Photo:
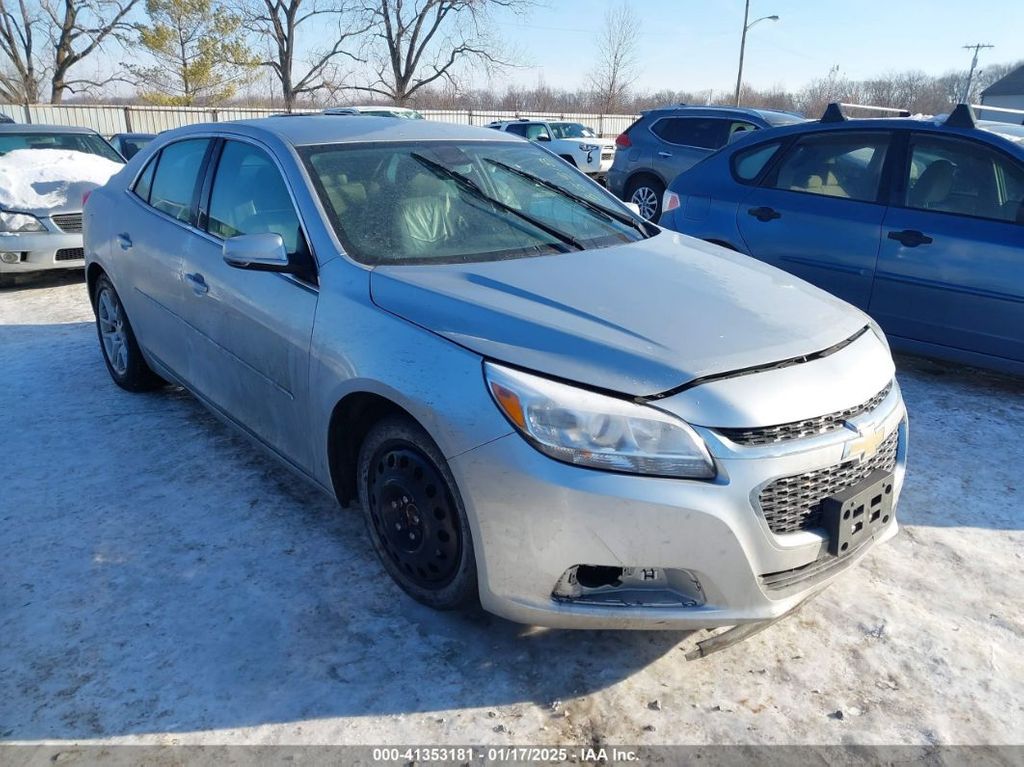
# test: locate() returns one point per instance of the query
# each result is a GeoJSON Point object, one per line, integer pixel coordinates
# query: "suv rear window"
{"type": "Point", "coordinates": [701, 132]}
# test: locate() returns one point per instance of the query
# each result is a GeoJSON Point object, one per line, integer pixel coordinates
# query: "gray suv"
{"type": "Point", "coordinates": [666, 141]}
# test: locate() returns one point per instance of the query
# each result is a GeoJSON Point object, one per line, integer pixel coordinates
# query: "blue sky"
{"type": "Point", "coordinates": [694, 45]}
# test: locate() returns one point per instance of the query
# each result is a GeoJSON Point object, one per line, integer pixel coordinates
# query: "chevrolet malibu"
{"type": "Point", "coordinates": [537, 399]}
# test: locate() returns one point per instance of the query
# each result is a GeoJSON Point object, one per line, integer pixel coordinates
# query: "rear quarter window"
{"type": "Point", "coordinates": [748, 164]}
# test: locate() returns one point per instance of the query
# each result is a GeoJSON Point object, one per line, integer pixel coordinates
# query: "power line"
{"type": "Point", "coordinates": [974, 65]}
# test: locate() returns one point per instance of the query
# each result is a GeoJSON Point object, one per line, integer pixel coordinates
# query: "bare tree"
{"type": "Point", "coordinates": [77, 29]}
{"type": "Point", "coordinates": [617, 67]}
{"type": "Point", "coordinates": [419, 42]}
{"type": "Point", "coordinates": [278, 21]}
{"type": "Point", "coordinates": [19, 75]}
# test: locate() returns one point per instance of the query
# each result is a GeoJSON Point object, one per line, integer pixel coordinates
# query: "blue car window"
{"type": "Point", "coordinates": [748, 164]}
{"type": "Point", "coordinates": [834, 164]}
{"type": "Point", "coordinates": [963, 177]}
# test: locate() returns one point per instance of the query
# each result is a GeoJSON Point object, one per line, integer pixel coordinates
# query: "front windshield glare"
{"type": "Point", "coordinates": [438, 202]}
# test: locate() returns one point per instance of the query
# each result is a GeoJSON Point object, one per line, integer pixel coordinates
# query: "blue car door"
{"type": "Point", "coordinates": [951, 266]}
{"type": "Point", "coordinates": [818, 213]}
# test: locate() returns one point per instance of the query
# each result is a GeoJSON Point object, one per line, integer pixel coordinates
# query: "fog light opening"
{"type": "Point", "coordinates": [596, 576]}
{"type": "Point", "coordinates": [609, 586]}
{"type": "Point", "coordinates": [9, 257]}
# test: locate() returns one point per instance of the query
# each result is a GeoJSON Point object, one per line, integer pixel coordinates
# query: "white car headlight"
{"type": "Point", "coordinates": [20, 222]}
{"type": "Point", "coordinates": [588, 429]}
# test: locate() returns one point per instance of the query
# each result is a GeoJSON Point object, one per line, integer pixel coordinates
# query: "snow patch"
{"type": "Point", "coordinates": [37, 179]}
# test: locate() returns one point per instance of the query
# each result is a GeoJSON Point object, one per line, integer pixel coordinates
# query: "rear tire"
{"type": "Point", "coordinates": [414, 515]}
{"type": "Point", "coordinates": [121, 352]}
{"type": "Point", "coordinates": [646, 192]}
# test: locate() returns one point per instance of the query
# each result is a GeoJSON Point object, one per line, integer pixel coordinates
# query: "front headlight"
{"type": "Point", "coordinates": [20, 222]}
{"type": "Point", "coordinates": [588, 429]}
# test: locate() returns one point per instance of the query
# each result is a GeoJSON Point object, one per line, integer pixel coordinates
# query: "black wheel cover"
{"type": "Point", "coordinates": [414, 516]}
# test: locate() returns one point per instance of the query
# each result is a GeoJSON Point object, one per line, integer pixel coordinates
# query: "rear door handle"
{"type": "Point", "coordinates": [124, 241]}
{"type": "Point", "coordinates": [199, 286]}
{"type": "Point", "coordinates": [764, 214]}
{"type": "Point", "coordinates": [911, 238]}
{"type": "Point", "coordinates": [664, 154]}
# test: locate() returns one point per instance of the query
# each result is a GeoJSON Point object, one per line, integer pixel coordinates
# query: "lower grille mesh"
{"type": "Point", "coordinates": [794, 503]}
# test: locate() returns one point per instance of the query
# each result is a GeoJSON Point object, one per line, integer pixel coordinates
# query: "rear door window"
{"type": "Point", "coordinates": [836, 164]}
{"type": "Point", "coordinates": [175, 184]}
{"type": "Point", "coordinates": [700, 132]}
{"type": "Point", "coordinates": [963, 177]}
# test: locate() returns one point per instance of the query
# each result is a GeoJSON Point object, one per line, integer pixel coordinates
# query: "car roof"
{"type": "Point", "coordinates": [1004, 134]}
{"type": "Point", "coordinates": [772, 116]}
{"type": "Point", "coordinates": [134, 134]}
{"type": "Point", "coordinates": [334, 129]}
{"type": "Point", "coordinates": [33, 128]}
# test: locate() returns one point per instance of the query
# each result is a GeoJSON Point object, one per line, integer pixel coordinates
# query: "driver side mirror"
{"type": "Point", "coordinates": [633, 207]}
{"type": "Point", "coordinates": [263, 252]}
{"type": "Point", "coordinates": [543, 137]}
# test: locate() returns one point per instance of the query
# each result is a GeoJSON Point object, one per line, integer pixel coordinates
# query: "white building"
{"type": "Point", "coordinates": [1007, 92]}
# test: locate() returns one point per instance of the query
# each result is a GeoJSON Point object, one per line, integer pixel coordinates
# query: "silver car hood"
{"type": "Point", "coordinates": [639, 319]}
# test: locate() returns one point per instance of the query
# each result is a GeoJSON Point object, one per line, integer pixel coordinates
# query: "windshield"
{"type": "Point", "coordinates": [446, 202]}
{"type": "Point", "coordinates": [89, 143]}
{"type": "Point", "coordinates": [571, 130]}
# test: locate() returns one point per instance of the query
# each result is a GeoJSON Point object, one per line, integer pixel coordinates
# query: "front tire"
{"type": "Point", "coordinates": [121, 352]}
{"type": "Point", "coordinates": [646, 193]}
{"type": "Point", "coordinates": [414, 515]}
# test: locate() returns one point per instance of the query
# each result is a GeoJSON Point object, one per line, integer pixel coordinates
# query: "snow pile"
{"type": "Point", "coordinates": [37, 179]}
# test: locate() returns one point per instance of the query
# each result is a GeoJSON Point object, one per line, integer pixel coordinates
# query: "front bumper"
{"type": "Point", "coordinates": [41, 250]}
{"type": "Point", "coordinates": [533, 519]}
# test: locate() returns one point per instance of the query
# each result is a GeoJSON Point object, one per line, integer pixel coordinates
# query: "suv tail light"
{"type": "Point", "coordinates": [669, 202]}
{"type": "Point", "coordinates": [85, 197]}
{"type": "Point", "coordinates": [623, 142]}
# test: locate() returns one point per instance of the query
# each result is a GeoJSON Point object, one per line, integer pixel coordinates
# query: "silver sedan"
{"type": "Point", "coordinates": [537, 399]}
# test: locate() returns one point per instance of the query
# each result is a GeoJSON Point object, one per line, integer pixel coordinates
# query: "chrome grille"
{"type": "Point", "coordinates": [810, 427]}
{"type": "Point", "coordinates": [68, 222]}
{"type": "Point", "coordinates": [69, 254]}
{"type": "Point", "coordinates": [794, 503]}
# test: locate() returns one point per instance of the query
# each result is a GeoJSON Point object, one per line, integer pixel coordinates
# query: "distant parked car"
{"type": "Point", "coordinates": [376, 111]}
{"type": "Point", "coordinates": [918, 222]}
{"type": "Point", "coordinates": [574, 142]}
{"type": "Point", "coordinates": [128, 144]}
{"type": "Point", "coordinates": [664, 142]}
{"type": "Point", "coordinates": [44, 172]}
{"type": "Point", "coordinates": [6, 118]}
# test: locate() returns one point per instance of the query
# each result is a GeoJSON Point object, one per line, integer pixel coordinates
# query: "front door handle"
{"type": "Point", "coordinates": [764, 213]}
{"type": "Point", "coordinates": [125, 241]}
{"type": "Point", "coordinates": [198, 282]}
{"type": "Point", "coordinates": [911, 238]}
{"type": "Point", "coordinates": [664, 154]}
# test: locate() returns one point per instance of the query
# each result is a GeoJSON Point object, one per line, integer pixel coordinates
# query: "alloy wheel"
{"type": "Point", "coordinates": [112, 331]}
{"type": "Point", "coordinates": [646, 199]}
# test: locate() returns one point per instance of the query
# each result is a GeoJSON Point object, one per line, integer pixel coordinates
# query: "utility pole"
{"type": "Point", "coordinates": [743, 45]}
{"type": "Point", "coordinates": [974, 65]}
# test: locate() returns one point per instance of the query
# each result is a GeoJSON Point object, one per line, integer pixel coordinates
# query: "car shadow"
{"type": "Point", "coordinates": [165, 576]}
{"type": "Point", "coordinates": [37, 280]}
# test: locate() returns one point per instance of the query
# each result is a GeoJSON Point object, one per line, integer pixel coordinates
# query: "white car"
{"type": "Point", "coordinates": [376, 111]}
{"type": "Point", "coordinates": [573, 142]}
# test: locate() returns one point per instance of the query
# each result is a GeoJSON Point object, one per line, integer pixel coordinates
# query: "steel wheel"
{"type": "Point", "coordinates": [414, 516]}
{"type": "Point", "coordinates": [112, 330]}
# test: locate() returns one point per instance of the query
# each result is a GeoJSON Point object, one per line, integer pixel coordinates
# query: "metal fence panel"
{"type": "Point", "coordinates": [111, 119]}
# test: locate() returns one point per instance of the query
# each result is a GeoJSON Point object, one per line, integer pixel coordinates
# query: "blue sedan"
{"type": "Point", "coordinates": [918, 222]}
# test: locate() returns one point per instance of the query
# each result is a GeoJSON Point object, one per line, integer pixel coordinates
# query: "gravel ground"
{"type": "Point", "coordinates": [163, 582]}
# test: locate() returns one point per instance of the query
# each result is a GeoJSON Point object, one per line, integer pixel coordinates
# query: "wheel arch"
{"type": "Point", "coordinates": [92, 274]}
{"type": "Point", "coordinates": [351, 419]}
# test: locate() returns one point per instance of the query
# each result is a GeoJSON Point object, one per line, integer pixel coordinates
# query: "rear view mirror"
{"type": "Point", "coordinates": [262, 252]}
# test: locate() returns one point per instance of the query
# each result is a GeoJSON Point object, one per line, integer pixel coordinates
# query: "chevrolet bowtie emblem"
{"type": "Point", "coordinates": [866, 444]}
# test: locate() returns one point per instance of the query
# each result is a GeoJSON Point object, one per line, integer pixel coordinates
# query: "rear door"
{"type": "Point", "coordinates": [818, 212]}
{"type": "Point", "coordinates": [685, 141]}
{"type": "Point", "coordinates": [951, 266]}
{"type": "Point", "coordinates": [252, 329]}
{"type": "Point", "coordinates": [156, 231]}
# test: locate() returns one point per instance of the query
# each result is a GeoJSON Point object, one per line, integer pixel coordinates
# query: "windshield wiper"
{"type": "Point", "coordinates": [473, 188]}
{"type": "Point", "coordinates": [622, 218]}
